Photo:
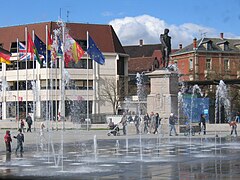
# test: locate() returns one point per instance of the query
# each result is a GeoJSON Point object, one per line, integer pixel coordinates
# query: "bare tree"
{"type": "Point", "coordinates": [108, 92]}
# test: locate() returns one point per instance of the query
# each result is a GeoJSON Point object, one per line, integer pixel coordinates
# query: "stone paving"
{"type": "Point", "coordinates": [94, 155]}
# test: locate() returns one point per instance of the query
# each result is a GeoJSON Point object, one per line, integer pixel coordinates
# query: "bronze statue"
{"type": "Point", "coordinates": [166, 47]}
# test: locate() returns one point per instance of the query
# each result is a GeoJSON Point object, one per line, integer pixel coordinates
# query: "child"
{"type": "Point", "coordinates": [8, 140]}
{"type": "Point", "coordinates": [20, 140]}
{"type": "Point", "coordinates": [233, 125]}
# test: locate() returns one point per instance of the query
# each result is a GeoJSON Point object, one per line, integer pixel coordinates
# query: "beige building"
{"type": "Point", "coordinates": [43, 93]}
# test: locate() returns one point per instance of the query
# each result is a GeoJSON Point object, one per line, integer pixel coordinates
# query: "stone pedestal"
{"type": "Point", "coordinates": [163, 97]}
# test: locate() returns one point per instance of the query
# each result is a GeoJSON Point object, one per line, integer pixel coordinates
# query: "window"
{"type": "Point", "coordinates": [82, 84]}
{"type": "Point", "coordinates": [82, 64]}
{"type": "Point", "coordinates": [190, 64]}
{"type": "Point", "coordinates": [208, 64]}
{"type": "Point", "coordinates": [226, 47]}
{"type": "Point", "coordinates": [209, 45]}
{"type": "Point", "coordinates": [226, 64]}
{"type": "Point", "coordinates": [13, 47]}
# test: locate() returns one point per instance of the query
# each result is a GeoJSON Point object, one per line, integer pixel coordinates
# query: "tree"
{"type": "Point", "coordinates": [108, 92]}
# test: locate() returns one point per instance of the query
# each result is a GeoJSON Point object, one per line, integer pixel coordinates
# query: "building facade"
{"type": "Point", "coordinates": [207, 61]}
{"type": "Point", "coordinates": [30, 87]}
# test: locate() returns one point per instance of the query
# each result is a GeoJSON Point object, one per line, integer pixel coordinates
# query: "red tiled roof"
{"type": "Point", "coordinates": [140, 64]}
{"type": "Point", "coordinates": [145, 50]}
{"type": "Point", "coordinates": [103, 35]}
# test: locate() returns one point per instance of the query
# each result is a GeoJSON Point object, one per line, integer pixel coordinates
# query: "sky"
{"type": "Point", "coordinates": [133, 20]}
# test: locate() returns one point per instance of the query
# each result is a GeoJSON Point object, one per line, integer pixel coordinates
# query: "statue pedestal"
{"type": "Point", "coordinates": [163, 97]}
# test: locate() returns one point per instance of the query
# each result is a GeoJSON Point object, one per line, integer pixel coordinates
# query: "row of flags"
{"type": "Point", "coordinates": [36, 50]}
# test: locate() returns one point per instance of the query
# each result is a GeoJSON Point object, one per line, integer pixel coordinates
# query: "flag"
{"type": "Point", "coordinates": [94, 52]}
{"type": "Point", "coordinates": [50, 50]}
{"type": "Point", "coordinates": [41, 48]}
{"type": "Point", "coordinates": [5, 58]}
{"type": "Point", "coordinates": [23, 55]}
{"type": "Point", "coordinates": [73, 50]}
{"type": "Point", "coordinates": [50, 41]}
{"type": "Point", "coordinates": [59, 49]}
{"type": "Point", "coordinates": [32, 49]}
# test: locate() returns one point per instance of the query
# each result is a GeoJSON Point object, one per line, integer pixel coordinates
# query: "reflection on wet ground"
{"type": "Point", "coordinates": [122, 159]}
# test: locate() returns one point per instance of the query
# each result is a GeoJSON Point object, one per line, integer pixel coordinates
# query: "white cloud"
{"type": "Point", "coordinates": [131, 29]}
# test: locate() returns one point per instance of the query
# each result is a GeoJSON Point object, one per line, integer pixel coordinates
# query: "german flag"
{"type": "Point", "coordinates": [5, 56]}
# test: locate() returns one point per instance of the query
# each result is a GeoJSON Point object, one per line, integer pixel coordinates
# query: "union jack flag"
{"type": "Point", "coordinates": [23, 54]}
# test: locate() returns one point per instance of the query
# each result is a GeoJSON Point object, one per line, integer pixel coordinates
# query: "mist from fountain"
{"type": "Point", "coordinates": [221, 100]}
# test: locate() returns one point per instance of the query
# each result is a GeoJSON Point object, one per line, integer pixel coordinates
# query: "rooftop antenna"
{"type": "Point", "coordinates": [203, 35]}
{"type": "Point", "coordinates": [68, 16]}
{"type": "Point", "coordinates": [60, 13]}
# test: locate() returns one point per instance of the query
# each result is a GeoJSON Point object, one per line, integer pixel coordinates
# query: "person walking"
{"type": "Point", "coordinates": [237, 117]}
{"type": "Point", "coordinates": [8, 140]}
{"type": "Point", "coordinates": [172, 121]}
{"type": "Point", "coordinates": [124, 123]}
{"type": "Point", "coordinates": [233, 125]}
{"type": "Point", "coordinates": [20, 141]}
{"type": "Point", "coordinates": [153, 122]}
{"type": "Point", "coordinates": [158, 121]}
{"type": "Point", "coordinates": [136, 121]}
{"type": "Point", "coordinates": [29, 122]}
{"type": "Point", "coordinates": [146, 121]}
{"type": "Point", "coordinates": [202, 124]}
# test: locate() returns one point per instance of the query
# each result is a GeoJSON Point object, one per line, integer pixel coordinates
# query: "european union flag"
{"type": "Point", "coordinates": [94, 52]}
{"type": "Point", "coordinates": [40, 46]}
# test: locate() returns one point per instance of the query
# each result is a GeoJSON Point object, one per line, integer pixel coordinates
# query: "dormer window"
{"type": "Point", "coordinates": [207, 45]}
{"type": "Point", "coordinates": [223, 45]}
{"type": "Point", "coordinates": [237, 45]}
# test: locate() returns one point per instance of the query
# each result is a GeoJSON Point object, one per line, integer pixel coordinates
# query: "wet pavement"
{"type": "Point", "coordinates": [93, 155]}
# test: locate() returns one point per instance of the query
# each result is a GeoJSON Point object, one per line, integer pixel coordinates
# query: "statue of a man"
{"type": "Point", "coordinates": [166, 47]}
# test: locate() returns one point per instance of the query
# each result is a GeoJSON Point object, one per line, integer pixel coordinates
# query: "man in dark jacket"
{"type": "Point", "coordinates": [136, 121]}
{"type": "Point", "coordinates": [20, 140]}
{"type": "Point", "coordinates": [172, 121]}
{"type": "Point", "coordinates": [29, 122]}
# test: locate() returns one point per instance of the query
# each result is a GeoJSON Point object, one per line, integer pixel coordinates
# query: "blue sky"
{"type": "Point", "coordinates": [135, 19]}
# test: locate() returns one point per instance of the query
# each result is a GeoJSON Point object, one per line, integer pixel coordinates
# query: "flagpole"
{"type": "Point", "coordinates": [63, 89]}
{"type": "Point", "coordinates": [49, 59]}
{"type": "Point", "coordinates": [34, 83]}
{"type": "Point", "coordinates": [26, 46]}
{"type": "Point", "coordinates": [47, 95]}
{"type": "Point", "coordinates": [56, 62]}
{"type": "Point", "coordinates": [48, 123]}
{"type": "Point", "coordinates": [87, 84]}
{"type": "Point", "coordinates": [56, 85]}
{"type": "Point", "coordinates": [94, 87]}
{"type": "Point", "coordinates": [18, 84]}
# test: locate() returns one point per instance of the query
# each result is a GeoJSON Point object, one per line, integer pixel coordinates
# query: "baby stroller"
{"type": "Point", "coordinates": [114, 130]}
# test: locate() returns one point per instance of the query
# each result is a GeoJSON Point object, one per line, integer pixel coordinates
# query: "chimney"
{"type": "Point", "coordinates": [221, 35]}
{"type": "Point", "coordinates": [195, 43]}
{"type": "Point", "coordinates": [180, 46]}
{"type": "Point", "coordinates": [140, 42]}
